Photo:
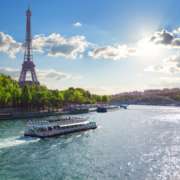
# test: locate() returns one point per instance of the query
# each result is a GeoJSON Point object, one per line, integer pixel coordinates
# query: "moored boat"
{"type": "Point", "coordinates": [123, 106]}
{"type": "Point", "coordinates": [106, 107]}
{"type": "Point", "coordinates": [77, 109]}
{"type": "Point", "coordinates": [102, 109]}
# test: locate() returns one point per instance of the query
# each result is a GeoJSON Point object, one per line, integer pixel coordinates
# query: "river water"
{"type": "Point", "coordinates": [140, 143]}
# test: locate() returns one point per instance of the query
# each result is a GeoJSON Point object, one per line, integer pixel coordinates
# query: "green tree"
{"type": "Point", "coordinates": [104, 99]}
{"type": "Point", "coordinates": [26, 97]}
{"type": "Point", "coordinates": [39, 97]}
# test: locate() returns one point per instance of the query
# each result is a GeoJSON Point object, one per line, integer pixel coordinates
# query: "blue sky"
{"type": "Point", "coordinates": [103, 46]}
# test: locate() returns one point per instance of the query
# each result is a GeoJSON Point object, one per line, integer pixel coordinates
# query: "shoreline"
{"type": "Point", "coordinates": [24, 115]}
{"type": "Point", "coordinates": [13, 114]}
{"type": "Point", "coordinates": [40, 114]}
{"type": "Point", "coordinates": [146, 104]}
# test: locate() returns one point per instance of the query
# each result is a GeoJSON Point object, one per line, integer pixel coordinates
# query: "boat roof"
{"type": "Point", "coordinates": [61, 123]}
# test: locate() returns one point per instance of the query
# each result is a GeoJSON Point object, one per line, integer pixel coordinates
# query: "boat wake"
{"type": "Point", "coordinates": [15, 141]}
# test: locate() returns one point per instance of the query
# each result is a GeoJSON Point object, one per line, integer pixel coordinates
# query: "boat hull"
{"type": "Point", "coordinates": [101, 109]}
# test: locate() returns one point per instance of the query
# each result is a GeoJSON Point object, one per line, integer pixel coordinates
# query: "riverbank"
{"type": "Point", "coordinates": [76, 109]}
{"type": "Point", "coordinates": [27, 115]}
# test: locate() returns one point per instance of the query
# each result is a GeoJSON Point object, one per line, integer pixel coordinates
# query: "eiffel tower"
{"type": "Point", "coordinates": [28, 65]}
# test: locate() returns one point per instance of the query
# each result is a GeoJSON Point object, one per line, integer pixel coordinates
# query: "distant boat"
{"type": "Point", "coordinates": [101, 109]}
{"type": "Point", "coordinates": [123, 106]}
{"type": "Point", "coordinates": [106, 107]}
{"type": "Point", "coordinates": [57, 127]}
{"type": "Point", "coordinates": [77, 109]}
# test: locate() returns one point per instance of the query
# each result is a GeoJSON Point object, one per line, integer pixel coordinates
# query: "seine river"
{"type": "Point", "coordinates": [140, 143]}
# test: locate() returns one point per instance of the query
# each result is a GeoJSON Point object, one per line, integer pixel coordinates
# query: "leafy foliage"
{"type": "Point", "coordinates": [39, 97]}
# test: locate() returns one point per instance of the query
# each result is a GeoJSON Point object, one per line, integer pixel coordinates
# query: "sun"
{"type": "Point", "coordinates": [146, 48]}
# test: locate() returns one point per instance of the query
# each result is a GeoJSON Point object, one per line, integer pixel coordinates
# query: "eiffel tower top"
{"type": "Point", "coordinates": [28, 43]}
{"type": "Point", "coordinates": [28, 65]}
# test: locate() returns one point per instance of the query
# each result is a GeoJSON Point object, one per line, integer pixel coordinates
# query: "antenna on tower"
{"type": "Point", "coordinates": [29, 5]}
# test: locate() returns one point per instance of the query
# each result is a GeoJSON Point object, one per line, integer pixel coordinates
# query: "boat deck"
{"type": "Point", "coordinates": [57, 122]}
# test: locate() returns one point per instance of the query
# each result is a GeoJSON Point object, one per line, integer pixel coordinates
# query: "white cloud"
{"type": "Point", "coordinates": [166, 38]}
{"type": "Point", "coordinates": [42, 74]}
{"type": "Point", "coordinates": [115, 52]}
{"type": "Point", "coordinates": [8, 45]}
{"type": "Point", "coordinates": [52, 74]}
{"type": "Point", "coordinates": [162, 37]}
{"type": "Point", "coordinates": [10, 72]}
{"type": "Point", "coordinates": [77, 24]}
{"type": "Point", "coordinates": [56, 45]}
{"type": "Point", "coordinates": [102, 90]}
{"type": "Point", "coordinates": [170, 65]}
{"type": "Point", "coordinates": [148, 47]}
{"type": "Point", "coordinates": [167, 82]}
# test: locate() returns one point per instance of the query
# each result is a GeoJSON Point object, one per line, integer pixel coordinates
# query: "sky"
{"type": "Point", "coordinates": [104, 46]}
